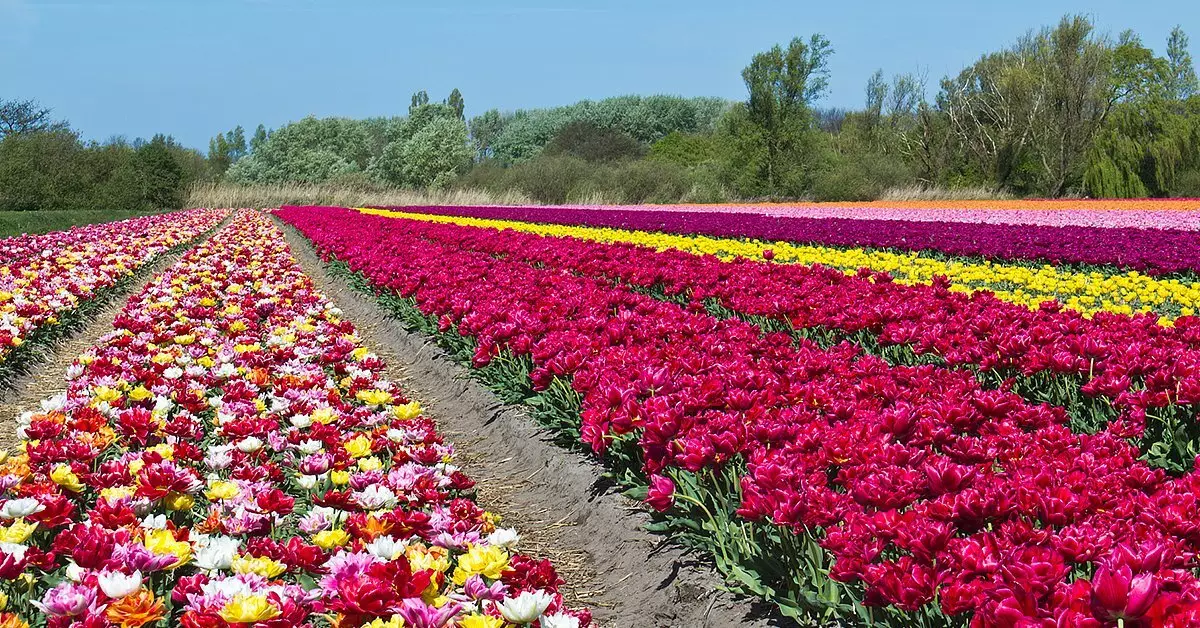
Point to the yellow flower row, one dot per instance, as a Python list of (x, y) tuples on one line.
[(1086, 292)]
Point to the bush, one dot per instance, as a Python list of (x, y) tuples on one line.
[(860, 178), (650, 182), (551, 179), (589, 142), (686, 150)]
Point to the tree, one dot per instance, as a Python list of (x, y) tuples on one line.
[(41, 170), (419, 99), (434, 155), (484, 129), (1181, 76), (456, 103), (259, 139), (592, 143), (782, 85), (159, 175), (1078, 95), (877, 92), (26, 116)]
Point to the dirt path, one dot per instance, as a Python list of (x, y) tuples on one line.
[(558, 500)]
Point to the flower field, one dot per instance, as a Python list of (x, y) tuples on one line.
[(230, 454), (44, 278), (1005, 435)]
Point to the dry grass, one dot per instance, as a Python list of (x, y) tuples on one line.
[(345, 195), (921, 193)]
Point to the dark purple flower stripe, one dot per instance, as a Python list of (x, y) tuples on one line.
[(1155, 251), (931, 493)]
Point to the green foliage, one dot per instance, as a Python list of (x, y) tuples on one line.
[(39, 171), (484, 129), (225, 149), (523, 134), (431, 158), (54, 171), (309, 151), (455, 101), (589, 142), (159, 174), (687, 150)]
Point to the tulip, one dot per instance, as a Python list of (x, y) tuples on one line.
[(116, 585), (526, 607), (661, 495)]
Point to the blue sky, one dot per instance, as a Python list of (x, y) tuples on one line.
[(194, 68)]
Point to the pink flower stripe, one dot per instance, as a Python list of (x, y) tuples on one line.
[(1187, 218)]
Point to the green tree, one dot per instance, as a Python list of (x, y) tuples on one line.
[(432, 157), (160, 176), (456, 103), (40, 170), (1181, 75), (419, 99), (259, 140), (782, 86), (589, 142), (26, 116), (484, 129)]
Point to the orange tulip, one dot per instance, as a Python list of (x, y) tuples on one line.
[(136, 609)]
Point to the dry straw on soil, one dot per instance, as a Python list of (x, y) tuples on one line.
[(345, 195)]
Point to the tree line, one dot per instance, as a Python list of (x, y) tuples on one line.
[(1063, 111)]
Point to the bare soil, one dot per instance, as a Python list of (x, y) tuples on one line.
[(559, 500)]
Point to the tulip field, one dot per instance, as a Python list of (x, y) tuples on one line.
[(927, 414), (230, 455), (876, 421)]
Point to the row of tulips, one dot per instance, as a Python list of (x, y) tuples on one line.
[(927, 499), (1155, 251), (1143, 214), (231, 455), (1087, 292), (1139, 378), (44, 278)]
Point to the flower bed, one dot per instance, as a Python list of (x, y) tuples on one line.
[(1128, 374), (1085, 291), (823, 479), (231, 455), (1155, 251), (45, 278)]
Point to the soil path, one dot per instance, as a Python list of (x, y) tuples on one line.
[(558, 500)]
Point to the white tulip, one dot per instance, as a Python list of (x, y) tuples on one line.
[(22, 507), (306, 482), (504, 537), (525, 608), (250, 444), (300, 421), (386, 547), (311, 446), (559, 620), (117, 585), (154, 522), (55, 403), (75, 573), (375, 497), (215, 552)]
